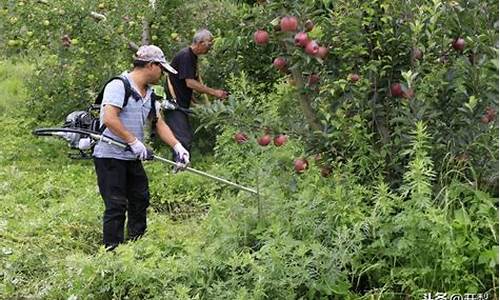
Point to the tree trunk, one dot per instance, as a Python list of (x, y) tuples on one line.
[(305, 102), (146, 34)]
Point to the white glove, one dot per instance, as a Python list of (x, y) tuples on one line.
[(182, 156), (139, 149), (84, 144)]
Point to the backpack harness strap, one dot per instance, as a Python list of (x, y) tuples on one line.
[(128, 92)]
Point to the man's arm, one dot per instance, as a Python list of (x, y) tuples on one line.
[(112, 121), (201, 88), (168, 137)]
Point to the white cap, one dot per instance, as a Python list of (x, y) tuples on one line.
[(154, 54)]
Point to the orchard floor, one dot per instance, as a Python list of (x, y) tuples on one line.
[(50, 231), (51, 209)]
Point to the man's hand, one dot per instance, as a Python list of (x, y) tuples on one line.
[(182, 156), (201, 88), (221, 94), (139, 149)]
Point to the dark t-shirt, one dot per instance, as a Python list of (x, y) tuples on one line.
[(185, 63)]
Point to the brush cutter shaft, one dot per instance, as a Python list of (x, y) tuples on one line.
[(99, 137), (209, 176), (107, 140)]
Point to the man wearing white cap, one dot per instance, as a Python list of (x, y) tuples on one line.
[(128, 103)]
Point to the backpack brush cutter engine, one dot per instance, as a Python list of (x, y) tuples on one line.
[(86, 120), (86, 138)]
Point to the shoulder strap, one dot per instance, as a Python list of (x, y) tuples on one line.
[(153, 115), (128, 91), (170, 88)]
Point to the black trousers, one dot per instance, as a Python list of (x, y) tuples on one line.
[(181, 127), (124, 187)]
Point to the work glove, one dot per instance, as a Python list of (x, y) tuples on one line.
[(139, 149), (181, 156), (150, 154)]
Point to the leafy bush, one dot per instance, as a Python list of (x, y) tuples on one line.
[(400, 196)]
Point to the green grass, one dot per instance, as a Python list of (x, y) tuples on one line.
[(51, 210), (12, 89), (50, 220)]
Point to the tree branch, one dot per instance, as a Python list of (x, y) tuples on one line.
[(133, 46), (146, 33), (305, 102)]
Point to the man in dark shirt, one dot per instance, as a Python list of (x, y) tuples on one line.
[(183, 83)]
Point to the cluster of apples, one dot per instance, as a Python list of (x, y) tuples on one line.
[(264, 140), (400, 90), (300, 164), (489, 115), (291, 24)]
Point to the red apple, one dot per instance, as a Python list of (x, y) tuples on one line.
[(485, 119), (312, 48), (416, 54), (490, 111), (309, 25), (322, 52), (288, 23), (396, 90), (280, 140), (264, 140), (353, 77), (300, 165), (301, 39), (313, 79), (458, 44), (261, 37), (279, 63), (240, 137)]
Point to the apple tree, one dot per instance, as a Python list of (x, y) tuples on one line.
[(80, 44), (361, 74)]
